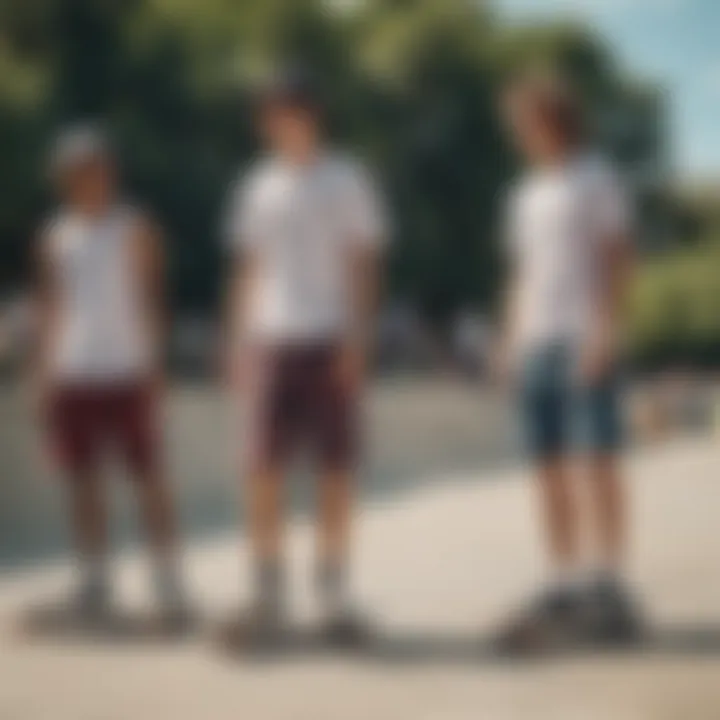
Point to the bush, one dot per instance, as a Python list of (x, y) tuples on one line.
[(674, 309)]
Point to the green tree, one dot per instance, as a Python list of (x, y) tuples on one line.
[(411, 85)]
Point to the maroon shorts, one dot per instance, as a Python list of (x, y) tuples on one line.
[(87, 420), (298, 402)]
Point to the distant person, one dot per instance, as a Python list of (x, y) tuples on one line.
[(568, 232), (99, 373), (308, 230)]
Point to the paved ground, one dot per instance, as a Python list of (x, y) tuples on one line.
[(418, 430), (439, 566)]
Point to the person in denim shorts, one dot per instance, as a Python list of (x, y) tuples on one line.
[(567, 231)]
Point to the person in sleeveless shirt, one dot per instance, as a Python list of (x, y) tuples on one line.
[(98, 372)]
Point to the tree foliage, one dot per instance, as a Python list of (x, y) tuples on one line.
[(674, 313), (411, 85)]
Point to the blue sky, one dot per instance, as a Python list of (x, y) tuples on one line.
[(674, 42)]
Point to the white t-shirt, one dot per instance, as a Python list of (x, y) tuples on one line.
[(558, 219), (102, 333), (301, 224)]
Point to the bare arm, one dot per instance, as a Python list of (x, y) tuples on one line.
[(613, 222), (45, 302), (616, 265), (365, 291), (365, 232), (151, 270), (509, 311), (235, 325), (505, 345)]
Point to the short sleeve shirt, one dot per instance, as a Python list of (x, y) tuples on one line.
[(303, 226), (557, 221)]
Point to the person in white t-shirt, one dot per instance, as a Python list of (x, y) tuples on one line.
[(568, 229), (306, 227), (98, 371)]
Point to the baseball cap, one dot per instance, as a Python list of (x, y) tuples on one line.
[(294, 86), (75, 145)]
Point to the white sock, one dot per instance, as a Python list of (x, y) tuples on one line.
[(567, 578), (270, 584), (93, 570), (606, 572), (332, 586), (166, 575)]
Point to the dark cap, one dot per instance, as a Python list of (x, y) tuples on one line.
[(75, 145), (293, 86)]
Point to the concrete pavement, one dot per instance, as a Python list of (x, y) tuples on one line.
[(439, 566)]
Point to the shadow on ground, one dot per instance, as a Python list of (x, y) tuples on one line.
[(392, 649), (417, 648)]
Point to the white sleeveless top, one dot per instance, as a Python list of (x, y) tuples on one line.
[(101, 334)]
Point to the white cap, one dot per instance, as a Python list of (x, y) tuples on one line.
[(76, 145)]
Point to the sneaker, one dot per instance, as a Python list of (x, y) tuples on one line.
[(614, 617), (87, 609), (175, 613), (91, 602), (346, 629), (259, 628), (174, 619), (554, 619)]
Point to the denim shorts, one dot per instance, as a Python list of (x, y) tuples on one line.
[(560, 414)]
